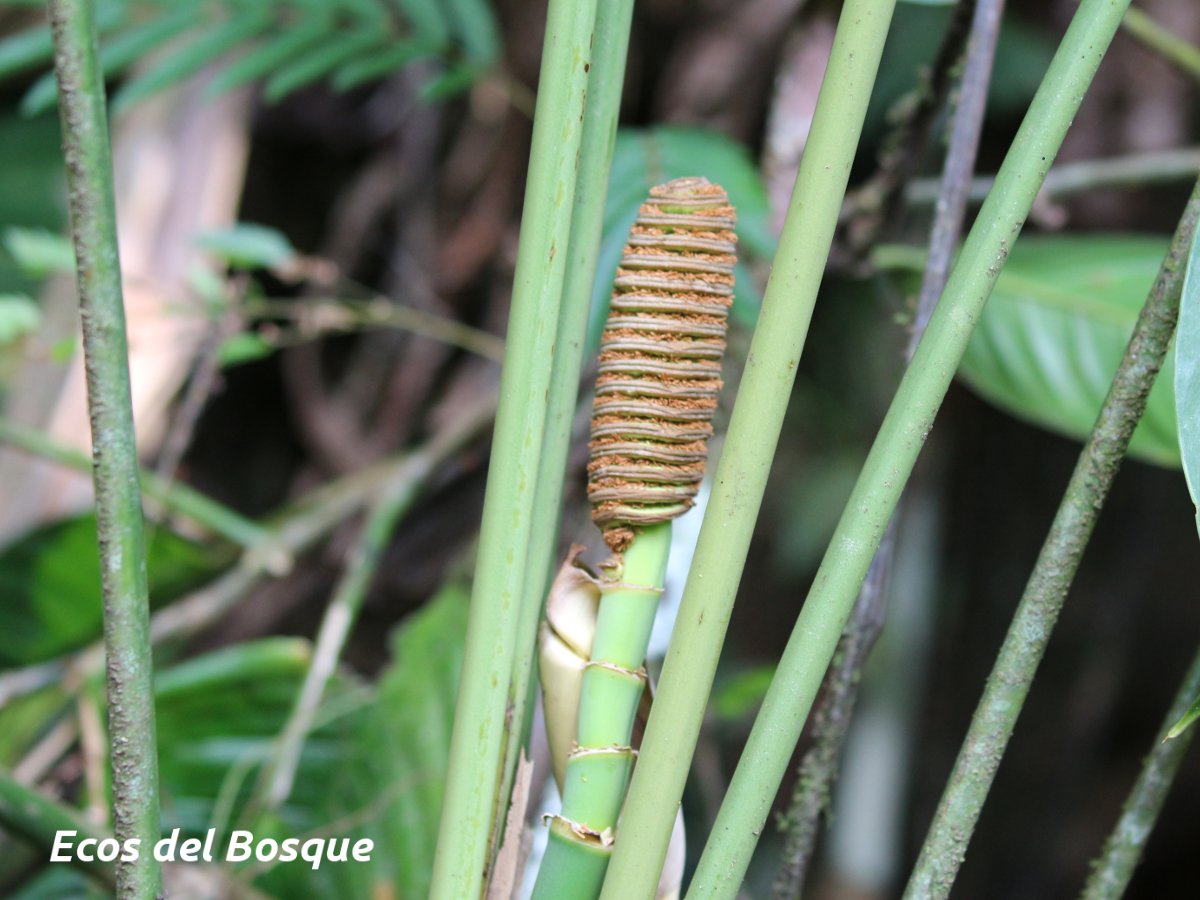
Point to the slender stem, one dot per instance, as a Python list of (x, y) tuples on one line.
[(114, 450), (1122, 852), (1016, 664), (178, 498), (894, 452), (1070, 178), (1167, 44), (394, 501), (741, 474), (609, 48), (38, 819), (511, 502), (819, 767), (597, 771)]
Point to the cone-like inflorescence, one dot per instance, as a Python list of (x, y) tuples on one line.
[(660, 359)]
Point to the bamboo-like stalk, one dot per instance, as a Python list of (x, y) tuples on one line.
[(741, 475), (598, 769), (659, 376), (1122, 852), (511, 504), (610, 45), (1016, 664), (114, 450), (857, 536)]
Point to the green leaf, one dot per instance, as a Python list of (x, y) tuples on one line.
[(644, 158), (321, 61), (50, 582), (476, 28), (244, 347), (118, 52), (427, 18), (1187, 374), (19, 316), (737, 696), (39, 252), (448, 84), (25, 49), (1055, 329), (248, 246), (187, 60), (1188, 718), (271, 54), (377, 65)]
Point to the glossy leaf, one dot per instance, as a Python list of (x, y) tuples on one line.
[(644, 158), (1055, 329), (1187, 374)]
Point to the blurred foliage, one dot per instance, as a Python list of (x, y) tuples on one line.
[(50, 579), (287, 44), (1055, 328)]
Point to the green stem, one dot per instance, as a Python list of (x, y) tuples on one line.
[(1016, 663), (741, 475), (38, 819), (895, 450), (610, 45), (1123, 849), (613, 683), (178, 498), (497, 599), (1167, 44), (118, 498)]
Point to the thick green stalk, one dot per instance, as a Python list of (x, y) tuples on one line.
[(895, 450), (1016, 663), (741, 475), (1122, 851), (178, 498), (613, 682), (610, 45), (114, 450), (477, 746), (38, 819)]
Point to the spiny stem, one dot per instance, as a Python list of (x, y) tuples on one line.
[(114, 449), (831, 722), (1016, 663)]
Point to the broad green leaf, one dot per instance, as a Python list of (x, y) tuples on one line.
[(50, 582), (19, 316), (644, 158), (187, 60), (248, 246), (1055, 328), (1187, 374), (392, 779), (39, 252)]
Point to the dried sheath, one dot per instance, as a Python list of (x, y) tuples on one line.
[(660, 359)]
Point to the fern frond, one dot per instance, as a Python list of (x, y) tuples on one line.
[(287, 44)]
